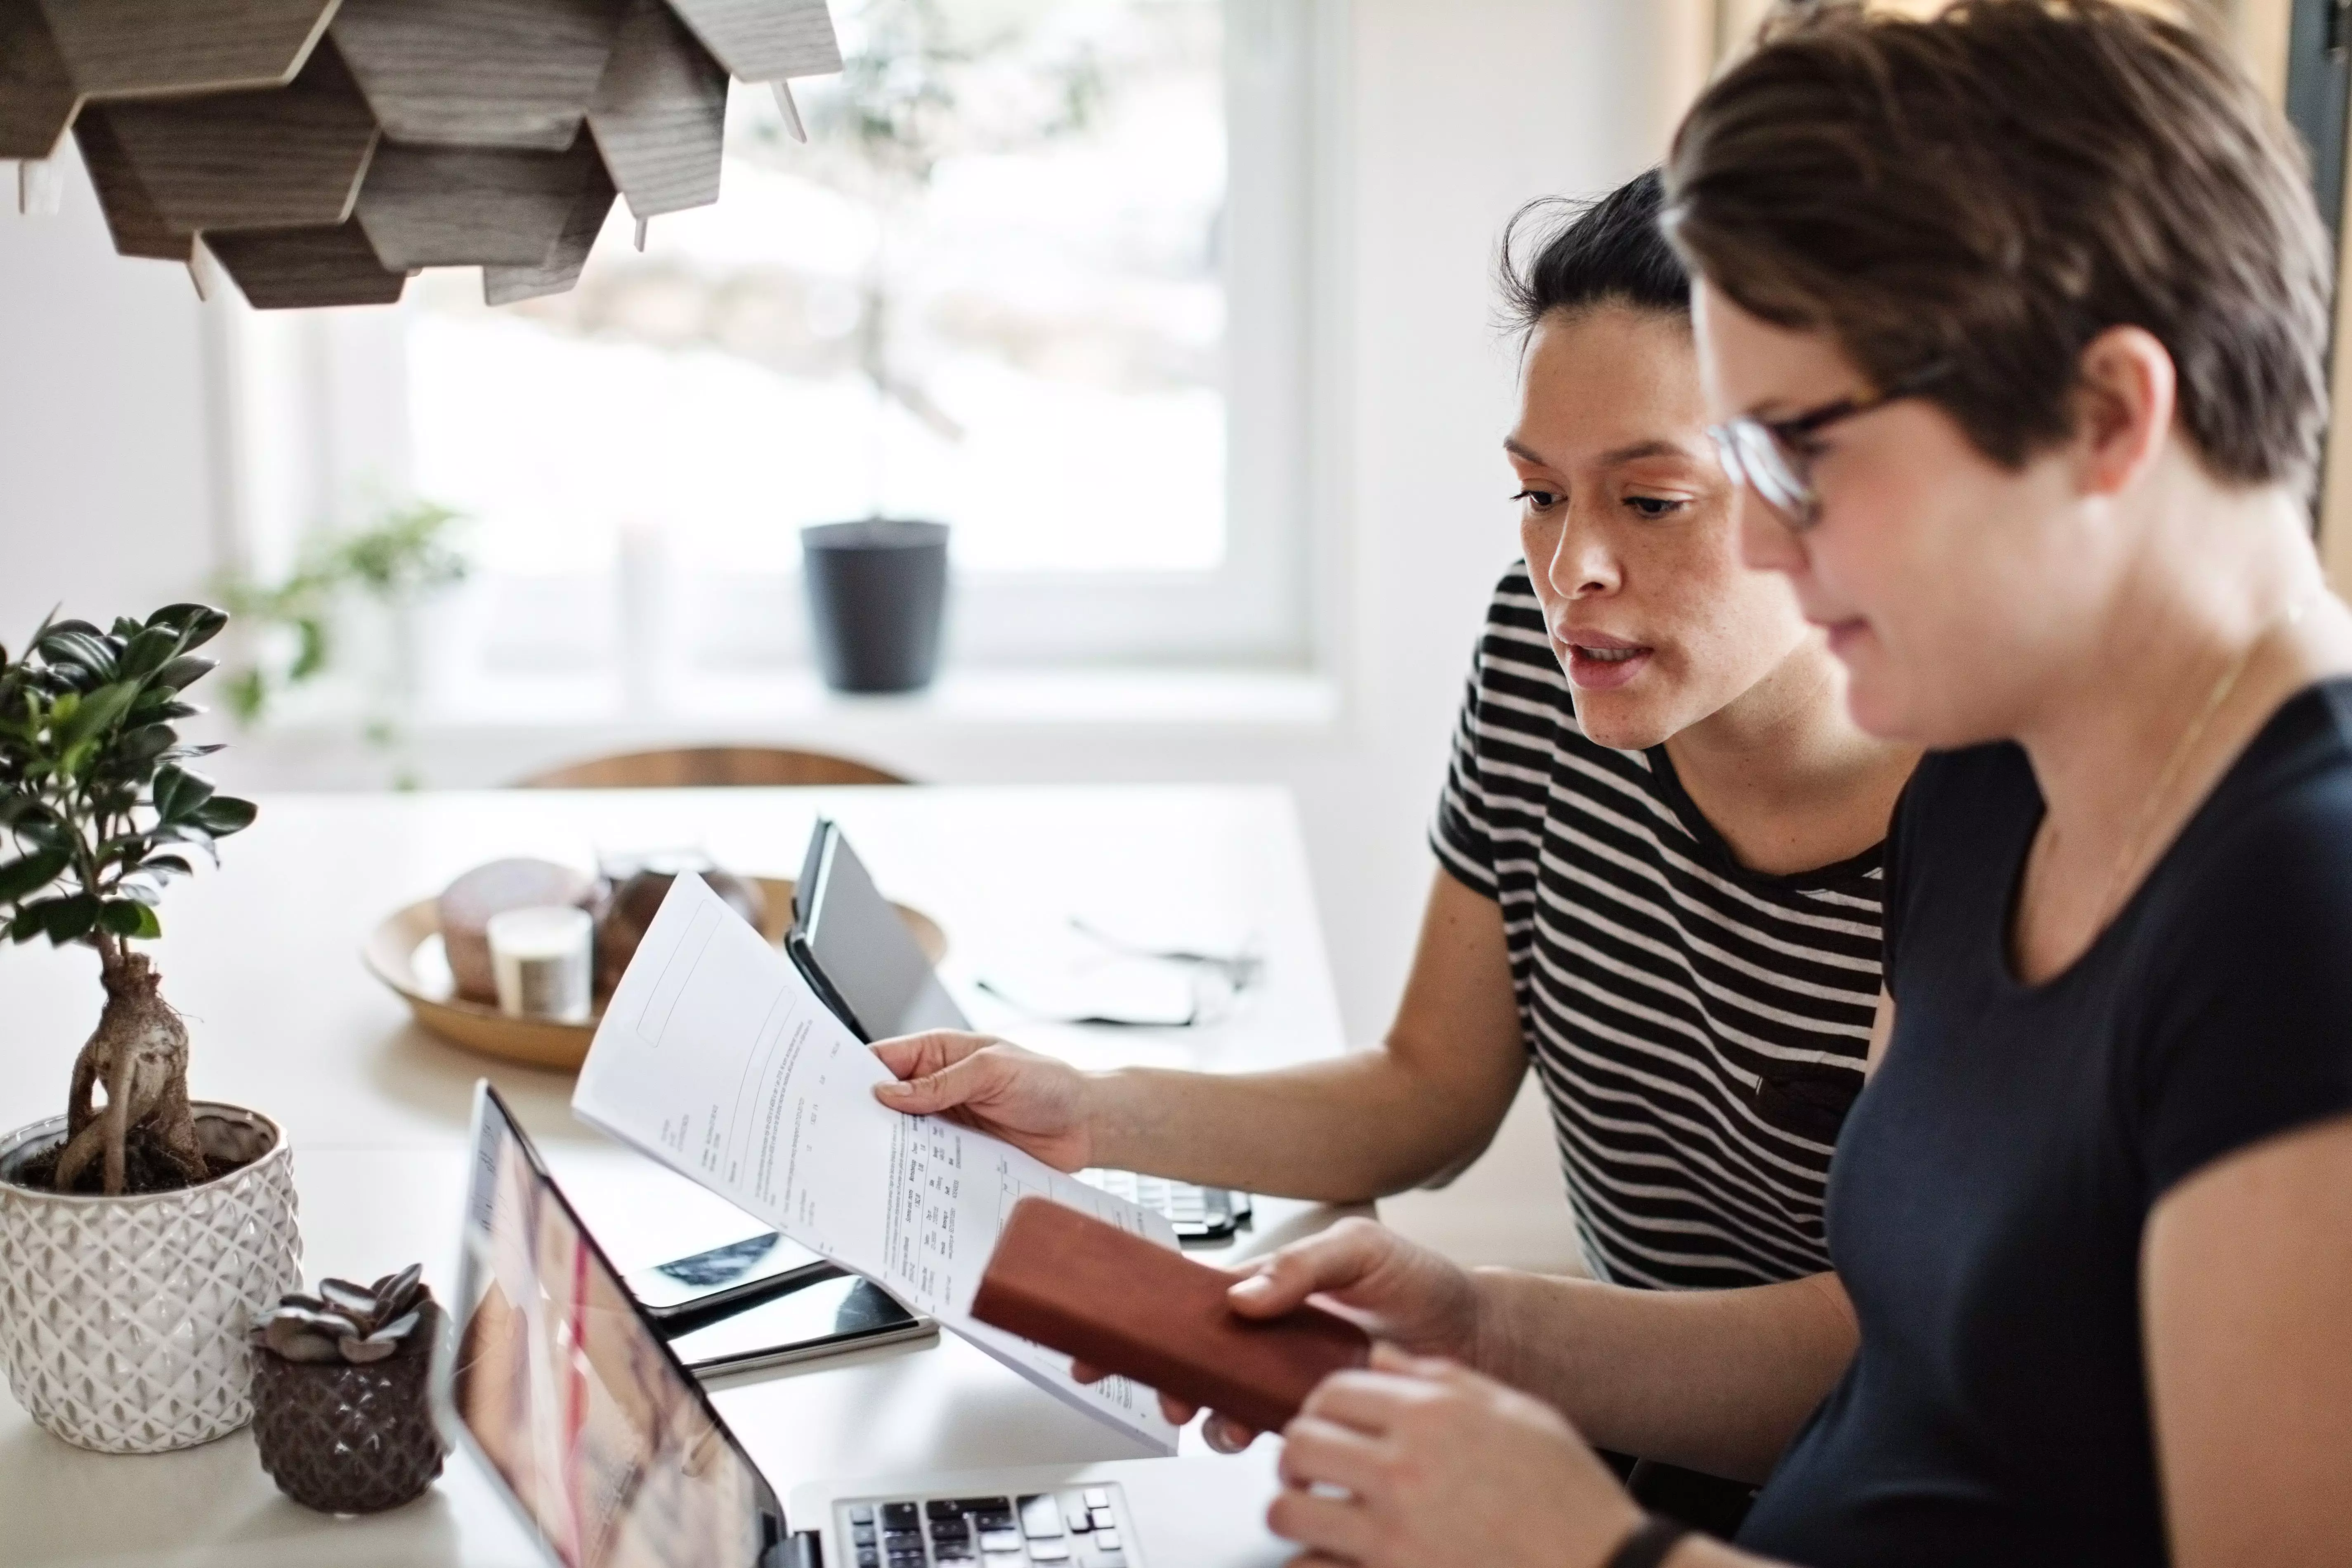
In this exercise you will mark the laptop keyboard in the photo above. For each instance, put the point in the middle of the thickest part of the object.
(1197, 1213)
(1079, 1527)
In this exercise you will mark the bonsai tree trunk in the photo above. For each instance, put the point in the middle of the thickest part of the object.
(139, 1051)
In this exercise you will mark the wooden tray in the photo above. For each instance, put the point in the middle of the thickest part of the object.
(405, 952)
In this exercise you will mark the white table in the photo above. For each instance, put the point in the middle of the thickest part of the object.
(262, 956)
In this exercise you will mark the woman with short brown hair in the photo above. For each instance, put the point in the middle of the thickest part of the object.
(2014, 321)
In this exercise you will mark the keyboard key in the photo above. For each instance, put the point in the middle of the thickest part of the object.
(1005, 1560)
(1106, 1539)
(901, 1516)
(894, 1541)
(1097, 1497)
(1103, 1518)
(984, 1505)
(1049, 1551)
(861, 1534)
(861, 1513)
(1041, 1516)
(1000, 1540)
(953, 1551)
(868, 1558)
(1111, 1560)
(943, 1508)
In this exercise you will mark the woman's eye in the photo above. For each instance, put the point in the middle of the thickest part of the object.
(1656, 507)
(1538, 501)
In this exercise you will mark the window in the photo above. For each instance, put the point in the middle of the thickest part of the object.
(1055, 294)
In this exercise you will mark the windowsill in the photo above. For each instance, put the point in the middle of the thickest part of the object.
(796, 700)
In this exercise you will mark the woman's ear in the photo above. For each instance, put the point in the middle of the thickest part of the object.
(2124, 401)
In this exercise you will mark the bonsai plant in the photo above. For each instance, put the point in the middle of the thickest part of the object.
(112, 1340)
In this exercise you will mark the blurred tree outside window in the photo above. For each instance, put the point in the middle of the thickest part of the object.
(991, 290)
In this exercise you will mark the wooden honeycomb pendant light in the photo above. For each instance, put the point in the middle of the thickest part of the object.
(323, 151)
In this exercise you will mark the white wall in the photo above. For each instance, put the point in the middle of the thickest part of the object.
(1457, 113)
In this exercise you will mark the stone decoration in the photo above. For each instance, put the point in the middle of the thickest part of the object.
(125, 1318)
(324, 151)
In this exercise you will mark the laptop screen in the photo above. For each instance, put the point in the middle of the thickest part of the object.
(610, 1451)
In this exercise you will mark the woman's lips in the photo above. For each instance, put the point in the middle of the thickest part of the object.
(1603, 667)
(1845, 635)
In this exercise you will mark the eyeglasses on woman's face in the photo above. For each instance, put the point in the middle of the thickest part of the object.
(1774, 457)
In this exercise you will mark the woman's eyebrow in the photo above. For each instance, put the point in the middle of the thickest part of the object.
(1633, 452)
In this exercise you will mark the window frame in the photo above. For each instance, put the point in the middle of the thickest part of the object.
(317, 429)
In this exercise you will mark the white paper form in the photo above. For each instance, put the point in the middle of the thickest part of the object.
(715, 1058)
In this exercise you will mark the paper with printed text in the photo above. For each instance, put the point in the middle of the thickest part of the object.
(715, 1058)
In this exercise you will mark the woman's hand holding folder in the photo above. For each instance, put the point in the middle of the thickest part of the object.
(1417, 1458)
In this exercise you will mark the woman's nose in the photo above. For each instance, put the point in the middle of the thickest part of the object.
(1582, 563)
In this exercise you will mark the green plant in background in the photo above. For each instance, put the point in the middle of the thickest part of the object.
(96, 808)
(405, 553)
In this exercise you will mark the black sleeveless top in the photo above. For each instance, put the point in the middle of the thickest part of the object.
(1987, 1197)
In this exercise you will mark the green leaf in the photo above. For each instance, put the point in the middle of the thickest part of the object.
(148, 650)
(167, 865)
(26, 926)
(28, 874)
(145, 743)
(310, 655)
(199, 624)
(96, 713)
(248, 695)
(44, 834)
(124, 628)
(186, 671)
(68, 919)
(87, 646)
(178, 793)
(223, 814)
(127, 919)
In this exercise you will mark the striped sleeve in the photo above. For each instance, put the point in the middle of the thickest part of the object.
(1459, 832)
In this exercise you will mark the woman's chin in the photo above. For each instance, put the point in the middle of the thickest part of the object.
(1625, 719)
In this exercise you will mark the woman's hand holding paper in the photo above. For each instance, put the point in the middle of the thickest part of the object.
(1032, 1101)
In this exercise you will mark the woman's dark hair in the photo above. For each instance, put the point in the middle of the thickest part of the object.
(1992, 189)
(1562, 255)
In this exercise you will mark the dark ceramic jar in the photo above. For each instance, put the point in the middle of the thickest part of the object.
(350, 1439)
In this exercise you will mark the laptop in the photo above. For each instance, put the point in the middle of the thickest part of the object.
(854, 951)
(556, 1381)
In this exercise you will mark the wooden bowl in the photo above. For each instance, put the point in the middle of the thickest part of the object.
(405, 952)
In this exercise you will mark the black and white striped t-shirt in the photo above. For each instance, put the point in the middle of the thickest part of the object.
(1699, 1028)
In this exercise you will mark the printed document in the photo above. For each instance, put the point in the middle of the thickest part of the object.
(715, 1058)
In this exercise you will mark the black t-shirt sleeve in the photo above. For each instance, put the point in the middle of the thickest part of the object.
(1459, 832)
(2250, 1024)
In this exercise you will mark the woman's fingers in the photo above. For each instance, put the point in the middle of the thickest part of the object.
(1367, 1402)
(1337, 1526)
(1317, 1451)
(915, 1055)
(1225, 1435)
(968, 1074)
(1330, 1261)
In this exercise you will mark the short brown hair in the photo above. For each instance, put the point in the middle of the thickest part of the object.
(1991, 189)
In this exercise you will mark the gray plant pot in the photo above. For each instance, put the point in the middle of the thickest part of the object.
(877, 592)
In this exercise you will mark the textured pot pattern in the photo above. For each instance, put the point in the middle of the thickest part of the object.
(350, 1439)
(122, 1320)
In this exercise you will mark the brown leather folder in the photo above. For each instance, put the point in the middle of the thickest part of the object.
(1128, 1306)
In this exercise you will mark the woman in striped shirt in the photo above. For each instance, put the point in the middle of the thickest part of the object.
(1658, 847)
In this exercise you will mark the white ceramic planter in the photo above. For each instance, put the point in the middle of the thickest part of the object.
(122, 1320)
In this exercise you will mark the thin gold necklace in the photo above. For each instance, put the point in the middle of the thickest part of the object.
(2168, 774)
